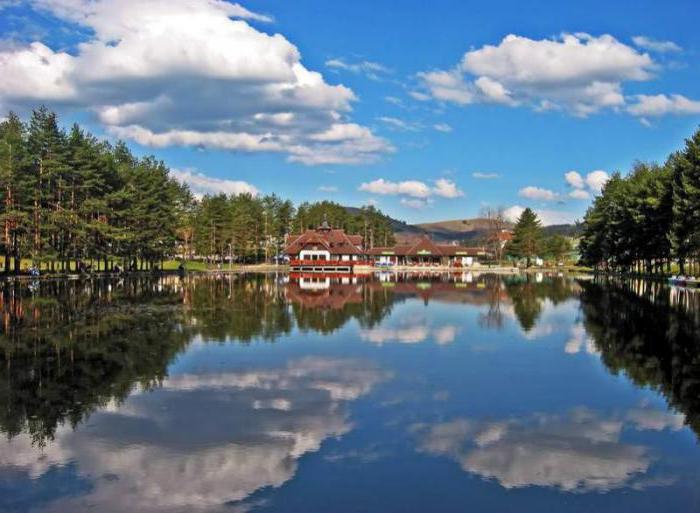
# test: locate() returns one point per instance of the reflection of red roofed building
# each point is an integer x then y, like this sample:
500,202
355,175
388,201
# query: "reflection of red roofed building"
324,249
320,292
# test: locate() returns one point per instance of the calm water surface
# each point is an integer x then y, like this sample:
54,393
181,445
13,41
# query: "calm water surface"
389,394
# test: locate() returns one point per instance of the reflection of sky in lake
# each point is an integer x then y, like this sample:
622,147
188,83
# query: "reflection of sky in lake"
430,409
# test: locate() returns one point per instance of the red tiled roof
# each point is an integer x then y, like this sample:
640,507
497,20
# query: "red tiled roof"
336,242
426,247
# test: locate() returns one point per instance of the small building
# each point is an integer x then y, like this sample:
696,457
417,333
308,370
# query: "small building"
503,237
324,249
424,252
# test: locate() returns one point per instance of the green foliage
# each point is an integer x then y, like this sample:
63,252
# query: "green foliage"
557,247
527,236
67,198
367,221
642,221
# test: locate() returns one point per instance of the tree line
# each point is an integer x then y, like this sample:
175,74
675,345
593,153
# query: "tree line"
648,220
69,200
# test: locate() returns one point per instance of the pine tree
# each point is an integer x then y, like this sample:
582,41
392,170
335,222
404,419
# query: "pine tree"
527,236
685,232
14,189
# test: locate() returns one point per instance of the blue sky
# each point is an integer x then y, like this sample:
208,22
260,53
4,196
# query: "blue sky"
429,111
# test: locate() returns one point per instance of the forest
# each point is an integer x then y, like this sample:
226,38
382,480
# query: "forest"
648,221
69,200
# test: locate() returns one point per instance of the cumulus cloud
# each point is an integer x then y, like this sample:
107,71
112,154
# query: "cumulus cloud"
538,193
654,45
661,105
579,194
645,418
577,73
579,340
595,180
410,333
446,189
442,127
160,456
575,180
413,188
201,184
548,217
578,452
192,74
582,186
447,86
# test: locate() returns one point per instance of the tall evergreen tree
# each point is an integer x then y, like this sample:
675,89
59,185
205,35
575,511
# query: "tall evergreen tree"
527,236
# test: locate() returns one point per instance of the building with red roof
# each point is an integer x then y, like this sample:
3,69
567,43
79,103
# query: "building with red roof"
325,249
425,252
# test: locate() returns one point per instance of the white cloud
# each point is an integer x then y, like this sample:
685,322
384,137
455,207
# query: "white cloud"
201,184
579,73
262,421
372,70
538,193
548,217
417,95
442,127
400,124
413,188
328,188
494,91
447,189
575,453
596,180
649,419
410,331
579,194
661,105
485,176
575,180
579,340
416,189
655,45
513,213
188,73
447,86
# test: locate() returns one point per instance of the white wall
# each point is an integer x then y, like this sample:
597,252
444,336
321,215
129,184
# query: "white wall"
314,283
306,254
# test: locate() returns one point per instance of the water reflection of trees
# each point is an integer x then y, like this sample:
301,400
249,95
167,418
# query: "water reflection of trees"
236,307
528,293
68,348
645,331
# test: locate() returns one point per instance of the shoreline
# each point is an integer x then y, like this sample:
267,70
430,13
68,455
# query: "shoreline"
273,268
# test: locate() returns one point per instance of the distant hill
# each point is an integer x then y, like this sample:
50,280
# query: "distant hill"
471,231
567,230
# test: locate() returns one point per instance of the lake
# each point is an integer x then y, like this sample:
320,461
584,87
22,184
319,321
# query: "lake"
387,393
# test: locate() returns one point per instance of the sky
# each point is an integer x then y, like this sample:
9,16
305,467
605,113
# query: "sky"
430,111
